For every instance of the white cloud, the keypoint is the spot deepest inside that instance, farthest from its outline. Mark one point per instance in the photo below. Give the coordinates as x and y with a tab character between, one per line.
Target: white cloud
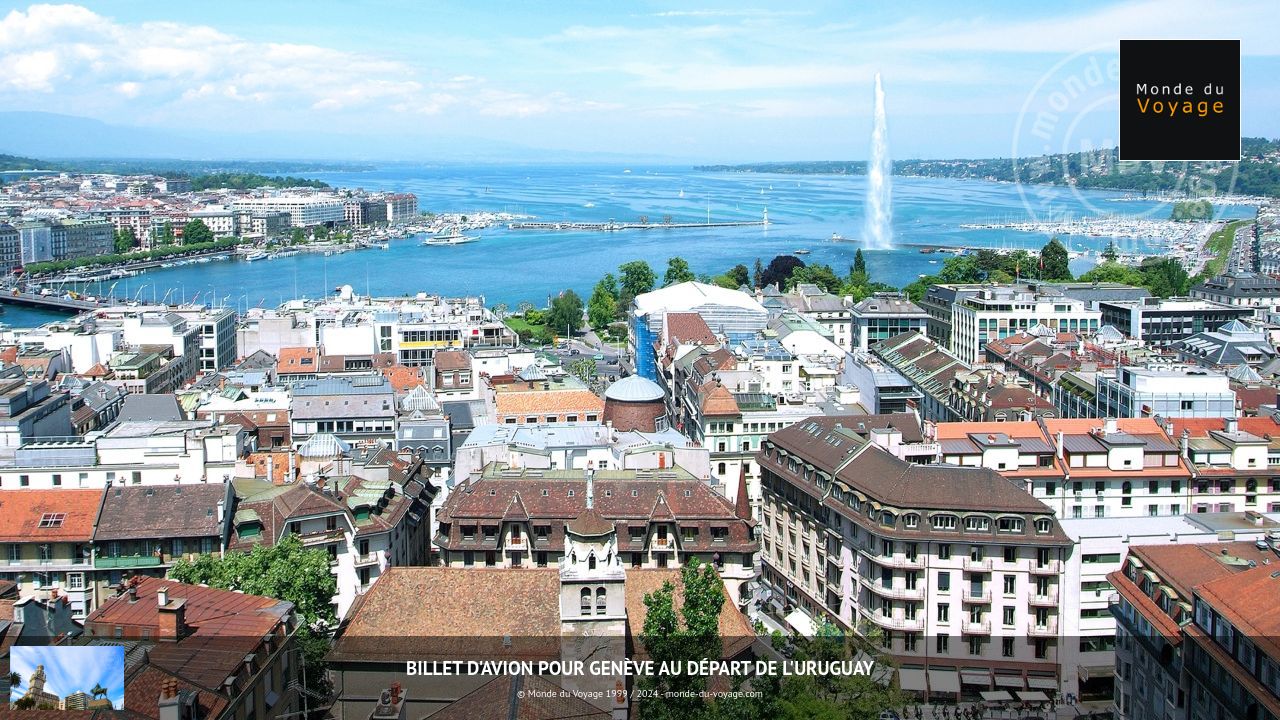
129	89
29	71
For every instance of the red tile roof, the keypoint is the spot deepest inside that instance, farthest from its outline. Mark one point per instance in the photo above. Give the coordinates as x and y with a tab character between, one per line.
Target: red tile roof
60	515
1200	427
298	360
685	328
403	378
452	360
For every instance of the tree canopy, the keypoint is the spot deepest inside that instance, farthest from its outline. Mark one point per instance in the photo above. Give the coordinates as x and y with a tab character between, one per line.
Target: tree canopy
677	272
565	313
779	271
602	308
196	232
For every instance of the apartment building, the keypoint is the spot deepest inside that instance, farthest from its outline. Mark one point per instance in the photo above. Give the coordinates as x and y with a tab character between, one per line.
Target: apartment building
957	567
1255	291
30	410
1134	391
930	368
813	303
401	207
47	537
1235	463
365	523
10	248
352	408
1195	629
517	517
304	210
882	316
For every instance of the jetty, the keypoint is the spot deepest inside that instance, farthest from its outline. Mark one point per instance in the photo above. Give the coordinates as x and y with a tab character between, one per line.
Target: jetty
614	226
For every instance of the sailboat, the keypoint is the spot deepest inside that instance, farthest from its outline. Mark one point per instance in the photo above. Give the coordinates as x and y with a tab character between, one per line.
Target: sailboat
681	192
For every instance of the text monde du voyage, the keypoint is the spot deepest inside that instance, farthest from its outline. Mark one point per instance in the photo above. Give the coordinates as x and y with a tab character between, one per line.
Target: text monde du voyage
1180	100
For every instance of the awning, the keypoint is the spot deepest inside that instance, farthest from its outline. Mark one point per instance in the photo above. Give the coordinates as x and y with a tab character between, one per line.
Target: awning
976	677
801	623
944	681
1044	683
996	696
1095	671
1014	681
911	678
1033	696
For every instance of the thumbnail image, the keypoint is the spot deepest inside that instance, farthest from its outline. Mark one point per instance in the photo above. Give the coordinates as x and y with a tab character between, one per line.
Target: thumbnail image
66	678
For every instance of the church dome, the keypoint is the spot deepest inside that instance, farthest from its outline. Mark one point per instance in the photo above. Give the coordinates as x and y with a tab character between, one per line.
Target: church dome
634	389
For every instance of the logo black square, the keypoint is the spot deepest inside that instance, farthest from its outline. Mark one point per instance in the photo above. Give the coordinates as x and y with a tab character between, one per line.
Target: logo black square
1179	99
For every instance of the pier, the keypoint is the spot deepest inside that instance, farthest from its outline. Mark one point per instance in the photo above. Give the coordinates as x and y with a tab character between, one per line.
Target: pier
612	226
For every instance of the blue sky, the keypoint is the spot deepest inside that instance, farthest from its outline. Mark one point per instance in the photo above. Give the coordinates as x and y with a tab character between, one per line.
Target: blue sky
71	669
695	80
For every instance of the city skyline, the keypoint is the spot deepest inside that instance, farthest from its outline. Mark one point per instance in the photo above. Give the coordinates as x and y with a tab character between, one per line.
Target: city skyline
711	82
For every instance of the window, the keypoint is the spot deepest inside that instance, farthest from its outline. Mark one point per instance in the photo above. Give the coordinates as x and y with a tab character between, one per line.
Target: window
942	644
944	551
944	581
24	481
490	558
57	480
1008	617
944	613
1011	525
1010	584
1006	646
1010	554
51	520
585	602
601	602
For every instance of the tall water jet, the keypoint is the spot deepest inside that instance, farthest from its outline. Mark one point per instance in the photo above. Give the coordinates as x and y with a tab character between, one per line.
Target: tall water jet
877	233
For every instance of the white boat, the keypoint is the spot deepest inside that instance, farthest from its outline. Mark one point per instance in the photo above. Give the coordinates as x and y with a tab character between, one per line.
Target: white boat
802	252
589	205
452	238
836	237
255	255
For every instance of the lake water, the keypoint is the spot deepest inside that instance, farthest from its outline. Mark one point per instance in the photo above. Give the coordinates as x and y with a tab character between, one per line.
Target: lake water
515	265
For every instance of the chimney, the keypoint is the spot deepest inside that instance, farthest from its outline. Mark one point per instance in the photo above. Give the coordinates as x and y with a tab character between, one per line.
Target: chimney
1232	424
1110	426
1058	449
133	595
162	595
170	705
591	486
173	620
1185	443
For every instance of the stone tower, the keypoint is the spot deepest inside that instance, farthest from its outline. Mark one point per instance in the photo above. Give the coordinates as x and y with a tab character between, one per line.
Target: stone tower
593	605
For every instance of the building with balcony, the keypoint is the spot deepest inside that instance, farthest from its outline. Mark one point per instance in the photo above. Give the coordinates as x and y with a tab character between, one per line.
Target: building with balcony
1194	632
352	408
304	210
996	312
30	410
47	538
517	517
1235	463
959	568
365	524
1131	391
142	530
401	207
882	316
929	367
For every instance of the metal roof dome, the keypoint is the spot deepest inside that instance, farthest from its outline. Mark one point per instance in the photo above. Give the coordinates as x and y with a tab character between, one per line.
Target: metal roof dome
634	389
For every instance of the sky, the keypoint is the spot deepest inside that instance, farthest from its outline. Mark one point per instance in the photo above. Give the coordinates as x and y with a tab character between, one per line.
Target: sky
71	669
693	80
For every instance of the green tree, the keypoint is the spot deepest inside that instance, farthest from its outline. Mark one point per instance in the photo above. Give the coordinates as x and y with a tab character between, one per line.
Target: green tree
757	274
821	275
1054	261
602	308
166	235
1110	254
25	703
779	271
859	262
677	272
584	368
667	639
637	278
565	313
125	240
1165	277
297	236
321	232
739	274
14	681
286	571
501	310
835	695
196	232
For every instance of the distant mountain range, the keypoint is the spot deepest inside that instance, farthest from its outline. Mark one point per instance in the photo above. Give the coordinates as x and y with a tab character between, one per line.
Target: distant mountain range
53	136
1258	170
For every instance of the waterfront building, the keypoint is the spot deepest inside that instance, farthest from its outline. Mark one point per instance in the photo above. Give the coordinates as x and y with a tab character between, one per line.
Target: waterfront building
65	238
1165	321
10	248
366	523
222	222
1194	632
882	316
401	207
958	568
304	210
223	654
1230	346
1255	291
513	517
